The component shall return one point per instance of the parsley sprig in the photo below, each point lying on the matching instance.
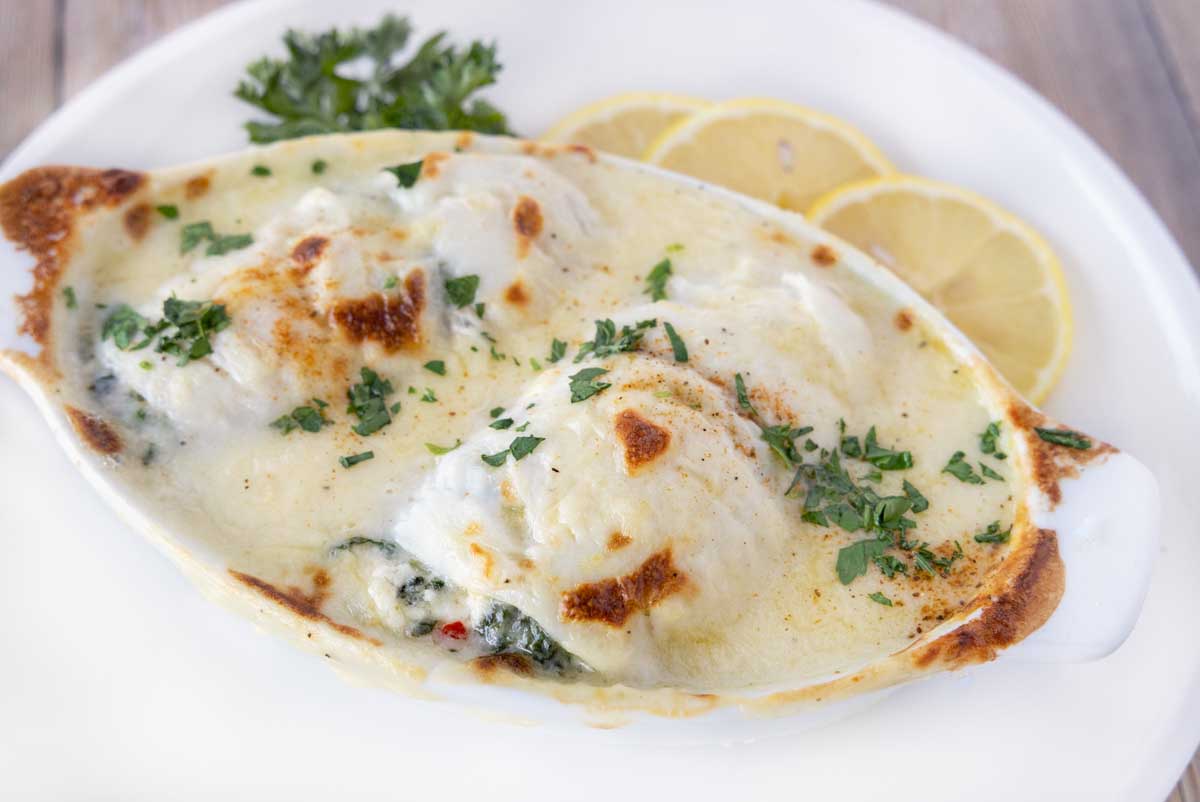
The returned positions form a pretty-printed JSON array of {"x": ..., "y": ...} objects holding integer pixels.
[
  {"x": 607, "y": 341},
  {"x": 184, "y": 331},
  {"x": 309, "y": 418},
  {"x": 311, "y": 92}
]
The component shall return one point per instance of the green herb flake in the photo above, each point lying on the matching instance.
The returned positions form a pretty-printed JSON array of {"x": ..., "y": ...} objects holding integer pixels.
[
  {"x": 315, "y": 89},
  {"x": 584, "y": 384},
  {"x": 890, "y": 566},
  {"x": 146, "y": 364},
  {"x": 479, "y": 309},
  {"x": 218, "y": 244},
  {"x": 501, "y": 423},
  {"x": 881, "y": 599},
  {"x": 428, "y": 397},
  {"x": 656, "y": 281},
  {"x": 607, "y": 342},
  {"x": 993, "y": 534},
  {"x": 918, "y": 501},
  {"x": 522, "y": 427},
  {"x": 558, "y": 349},
  {"x": 461, "y": 291},
  {"x": 436, "y": 366},
  {"x": 437, "y": 450},
  {"x": 366, "y": 402},
  {"x": 852, "y": 560},
  {"x": 989, "y": 473},
  {"x": 495, "y": 460},
  {"x": 885, "y": 459},
  {"x": 961, "y": 470},
  {"x": 407, "y": 174},
  {"x": 353, "y": 459},
  {"x": 743, "y": 397},
  {"x": 319, "y": 166},
  {"x": 675, "y": 247},
  {"x": 260, "y": 170},
  {"x": 168, "y": 210},
  {"x": 1064, "y": 437},
  {"x": 534, "y": 363},
  {"x": 677, "y": 345},
  {"x": 390, "y": 282},
  {"x": 68, "y": 294},
  {"x": 987, "y": 441},
  {"x": 496, "y": 412},
  {"x": 524, "y": 446}
]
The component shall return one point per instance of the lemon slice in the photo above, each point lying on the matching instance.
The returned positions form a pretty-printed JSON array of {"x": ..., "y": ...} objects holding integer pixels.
[
  {"x": 989, "y": 272},
  {"x": 782, "y": 153},
  {"x": 624, "y": 124}
]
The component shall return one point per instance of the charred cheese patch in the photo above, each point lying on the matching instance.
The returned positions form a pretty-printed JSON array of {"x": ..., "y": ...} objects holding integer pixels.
[
  {"x": 642, "y": 439},
  {"x": 613, "y": 601}
]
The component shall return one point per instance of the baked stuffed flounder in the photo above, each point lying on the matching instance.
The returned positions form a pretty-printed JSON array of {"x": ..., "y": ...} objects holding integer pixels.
[{"x": 470, "y": 407}]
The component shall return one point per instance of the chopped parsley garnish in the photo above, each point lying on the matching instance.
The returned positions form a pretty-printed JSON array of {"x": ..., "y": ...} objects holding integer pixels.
[
  {"x": 989, "y": 473},
  {"x": 319, "y": 166},
  {"x": 656, "y": 281},
  {"x": 145, "y": 364},
  {"x": 881, "y": 599},
  {"x": 534, "y": 363},
  {"x": 987, "y": 441},
  {"x": 890, "y": 566},
  {"x": 218, "y": 244},
  {"x": 311, "y": 91},
  {"x": 1064, "y": 437},
  {"x": 123, "y": 326},
  {"x": 584, "y": 384},
  {"x": 193, "y": 322},
  {"x": 496, "y": 412},
  {"x": 885, "y": 459},
  {"x": 358, "y": 540},
  {"x": 406, "y": 174},
  {"x": 428, "y": 397},
  {"x": 461, "y": 291},
  {"x": 677, "y": 345},
  {"x": 852, "y": 560},
  {"x": 501, "y": 423},
  {"x": 436, "y": 366},
  {"x": 993, "y": 534},
  {"x": 437, "y": 450},
  {"x": 961, "y": 470},
  {"x": 168, "y": 210},
  {"x": 308, "y": 418},
  {"x": 260, "y": 170},
  {"x": 353, "y": 459},
  {"x": 782, "y": 438},
  {"x": 390, "y": 282},
  {"x": 366, "y": 402},
  {"x": 558, "y": 349},
  {"x": 674, "y": 247},
  {"x": 522, "y": 427},
  {"x": 918, "y": 501},
  {"x": 479, "y": 310},
  {"x": 520, "y": 448},
  {"x": 607, "y": 342},
  {"x": 68, "y": 294},
  {"x": 742, "y": 396}
]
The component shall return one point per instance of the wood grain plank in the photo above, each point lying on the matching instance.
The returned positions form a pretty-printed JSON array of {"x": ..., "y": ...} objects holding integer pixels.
[
  {"x": 98, "y": 34},
  {"x": 1100, "y": 64},
  {"x": 28, "y": 71},
  {"x": 1176, "y": 25}
]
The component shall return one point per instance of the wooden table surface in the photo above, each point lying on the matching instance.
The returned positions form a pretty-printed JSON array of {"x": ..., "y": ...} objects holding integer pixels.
[{"x": 1127, "y": 71}]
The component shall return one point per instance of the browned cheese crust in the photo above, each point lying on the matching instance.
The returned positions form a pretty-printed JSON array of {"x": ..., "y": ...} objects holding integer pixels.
[{"x": 304, "y": 604}]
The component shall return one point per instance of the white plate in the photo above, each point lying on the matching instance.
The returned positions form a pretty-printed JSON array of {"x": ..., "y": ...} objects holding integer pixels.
[{"x": 119, "y": 681}]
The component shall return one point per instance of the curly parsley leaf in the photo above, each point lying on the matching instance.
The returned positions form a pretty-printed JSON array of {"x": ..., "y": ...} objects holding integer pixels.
[
  {"x": 656, "y": 281},
  {"x": 584, "y": 384},
  {"x": 1064, "y": 437},
  {"x": 312, "y": 91}
]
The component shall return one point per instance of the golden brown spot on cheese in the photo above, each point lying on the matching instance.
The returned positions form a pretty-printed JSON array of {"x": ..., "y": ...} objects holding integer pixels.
[
  {"x": 904, "y": 320},
  {"x": 516, "y": 294},
  {"x": 197, "y": 187},
  {"x": 613, "y": 601},
  {"x": 309, "y": 250},
  {"x": 488, "y": 664},
  {"x": 489, "y": 562},
  {"x": 527, "y": 220},
  {"x": 393, "y": 321},
  {"x": 1028, "y": 597},
  {"x": 305, "y": 605},
  {"x": 617, "y": 541},
  {"x": 464, "y": 140},
  {"x": 642, "y": 440},
  {"x": 137, "y": 221},
  {"x": 824, "y": 256},
  {"x": 431, "y": 165},
  {"x": 1051, "y": 463},
  {"x": 99, "y": 435},
  {"x": 38, "y": 209},
  {"x": 583, "y": 150}
]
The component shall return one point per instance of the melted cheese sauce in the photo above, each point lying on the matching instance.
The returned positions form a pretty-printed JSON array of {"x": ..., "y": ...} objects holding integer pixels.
[{"x": 649, "y": 532}]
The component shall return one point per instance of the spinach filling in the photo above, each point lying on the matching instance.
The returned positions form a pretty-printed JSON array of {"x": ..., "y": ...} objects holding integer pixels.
[{"x": 507, "y": 630}]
